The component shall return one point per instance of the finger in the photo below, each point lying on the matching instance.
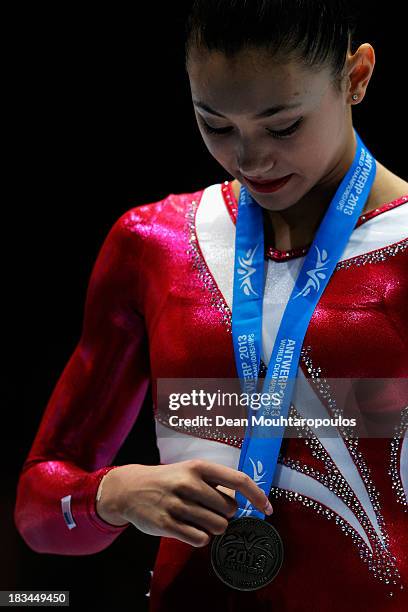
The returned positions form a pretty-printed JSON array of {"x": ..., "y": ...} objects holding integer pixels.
[
  {"x": 233, "y": 479},
  {"x": 211, "y": 498},
  {"x": 225, "y": 490},
  {"x": 199, "y": 516},
  {"x": 187, "y": 533},
  {"x": 231, "y": 493}
]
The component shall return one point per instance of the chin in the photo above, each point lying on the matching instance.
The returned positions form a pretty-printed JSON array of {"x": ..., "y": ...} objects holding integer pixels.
[{"x": 276, "y": 202}]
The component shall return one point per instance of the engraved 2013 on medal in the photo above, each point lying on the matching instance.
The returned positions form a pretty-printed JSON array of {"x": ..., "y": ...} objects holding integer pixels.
[{"x": 248, "y": 555}]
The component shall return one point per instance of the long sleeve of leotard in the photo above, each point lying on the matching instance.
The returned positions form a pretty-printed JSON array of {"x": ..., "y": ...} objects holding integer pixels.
[{"x": 92, "y": 408}]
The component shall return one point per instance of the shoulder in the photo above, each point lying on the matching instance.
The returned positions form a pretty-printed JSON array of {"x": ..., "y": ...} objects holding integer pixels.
[
  {"x": 170, "y": 210},
  {"x": 147, "y": 230}
]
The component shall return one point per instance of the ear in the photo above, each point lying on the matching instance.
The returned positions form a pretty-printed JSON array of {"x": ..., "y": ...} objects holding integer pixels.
[{"x": 360, "y": 67}]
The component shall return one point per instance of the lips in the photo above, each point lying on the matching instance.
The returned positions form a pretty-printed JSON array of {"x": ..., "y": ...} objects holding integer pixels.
[
  {"x": 266, "y": 186},
  {"x": 263, "y": 181}
]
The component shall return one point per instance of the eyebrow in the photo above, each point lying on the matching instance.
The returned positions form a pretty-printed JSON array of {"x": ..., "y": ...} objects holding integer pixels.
[{"x": 268, "y": 112}]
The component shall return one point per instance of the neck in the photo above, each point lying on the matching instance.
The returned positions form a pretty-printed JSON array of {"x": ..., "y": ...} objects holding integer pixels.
[{"x": 297, "y": 225}]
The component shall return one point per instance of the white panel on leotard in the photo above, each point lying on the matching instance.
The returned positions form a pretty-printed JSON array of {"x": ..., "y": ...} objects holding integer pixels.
[{"x": 175, "y": 446}]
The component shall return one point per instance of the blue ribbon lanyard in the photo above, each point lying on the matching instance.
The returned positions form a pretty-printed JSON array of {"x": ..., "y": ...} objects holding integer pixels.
[{"x": 259, "y": 452}]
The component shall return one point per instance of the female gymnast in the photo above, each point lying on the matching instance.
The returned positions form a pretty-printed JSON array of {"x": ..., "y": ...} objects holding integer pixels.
[{"x": 273, "y": 85}]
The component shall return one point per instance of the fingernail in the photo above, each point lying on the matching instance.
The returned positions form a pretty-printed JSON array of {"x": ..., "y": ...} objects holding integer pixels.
[{"x": 268, "y": 508}]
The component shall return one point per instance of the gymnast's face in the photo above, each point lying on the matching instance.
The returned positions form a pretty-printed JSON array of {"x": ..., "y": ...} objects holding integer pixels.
[{"x": 306, "y": 136}]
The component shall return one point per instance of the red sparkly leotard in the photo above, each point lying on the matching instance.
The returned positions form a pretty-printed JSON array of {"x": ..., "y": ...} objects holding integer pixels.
[{"x": 158, "y": 305}]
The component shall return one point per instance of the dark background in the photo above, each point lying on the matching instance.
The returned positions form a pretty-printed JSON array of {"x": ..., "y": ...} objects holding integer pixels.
[{"x": 100, "y": 121}]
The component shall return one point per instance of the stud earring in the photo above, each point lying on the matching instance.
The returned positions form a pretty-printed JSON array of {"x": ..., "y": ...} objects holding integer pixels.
[{"x": 355, "y": 96}]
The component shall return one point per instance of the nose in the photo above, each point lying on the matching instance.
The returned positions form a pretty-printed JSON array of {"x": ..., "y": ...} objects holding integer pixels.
[
  {"x": 259, "y": 176},
  {"x": 257, "y": 169}
]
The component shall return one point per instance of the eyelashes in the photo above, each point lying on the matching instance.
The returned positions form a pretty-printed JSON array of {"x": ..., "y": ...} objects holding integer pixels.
[
  {"x": 288, "y": 131},
  {"x": 275, "y": 133},
  {"x": 212, "y": 130}
]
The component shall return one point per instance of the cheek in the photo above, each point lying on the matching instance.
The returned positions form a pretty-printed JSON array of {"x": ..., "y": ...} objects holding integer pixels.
[
  {"x": 219, "y": 148},
  {"x": 315, "y": 148},
  {"x": 329, "y": 129}
]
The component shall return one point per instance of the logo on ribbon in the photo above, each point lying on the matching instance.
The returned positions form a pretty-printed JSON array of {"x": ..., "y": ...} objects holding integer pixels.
[
  {"x": 247, "y": 270},
  {"x": 257, "y": 472},
  {"x": 257, "y": 478},
  {"x": 315, "y": 274}
]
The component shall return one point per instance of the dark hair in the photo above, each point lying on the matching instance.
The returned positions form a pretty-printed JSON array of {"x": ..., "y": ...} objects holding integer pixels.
[{"x": 318, "y": 32}]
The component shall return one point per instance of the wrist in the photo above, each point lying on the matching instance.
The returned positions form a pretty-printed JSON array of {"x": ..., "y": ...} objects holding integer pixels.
[{"x": 107, "y": 500}]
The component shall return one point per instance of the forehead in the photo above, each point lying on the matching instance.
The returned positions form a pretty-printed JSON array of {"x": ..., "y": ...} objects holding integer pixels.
[{"x": 240, "y": 84}]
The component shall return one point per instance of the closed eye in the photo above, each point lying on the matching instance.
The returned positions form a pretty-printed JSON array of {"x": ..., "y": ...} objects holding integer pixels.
[
  {"x": 286, "y": 132},
  {"x": 212, "y": 130},
  {"x": 275, "y": 133}
]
